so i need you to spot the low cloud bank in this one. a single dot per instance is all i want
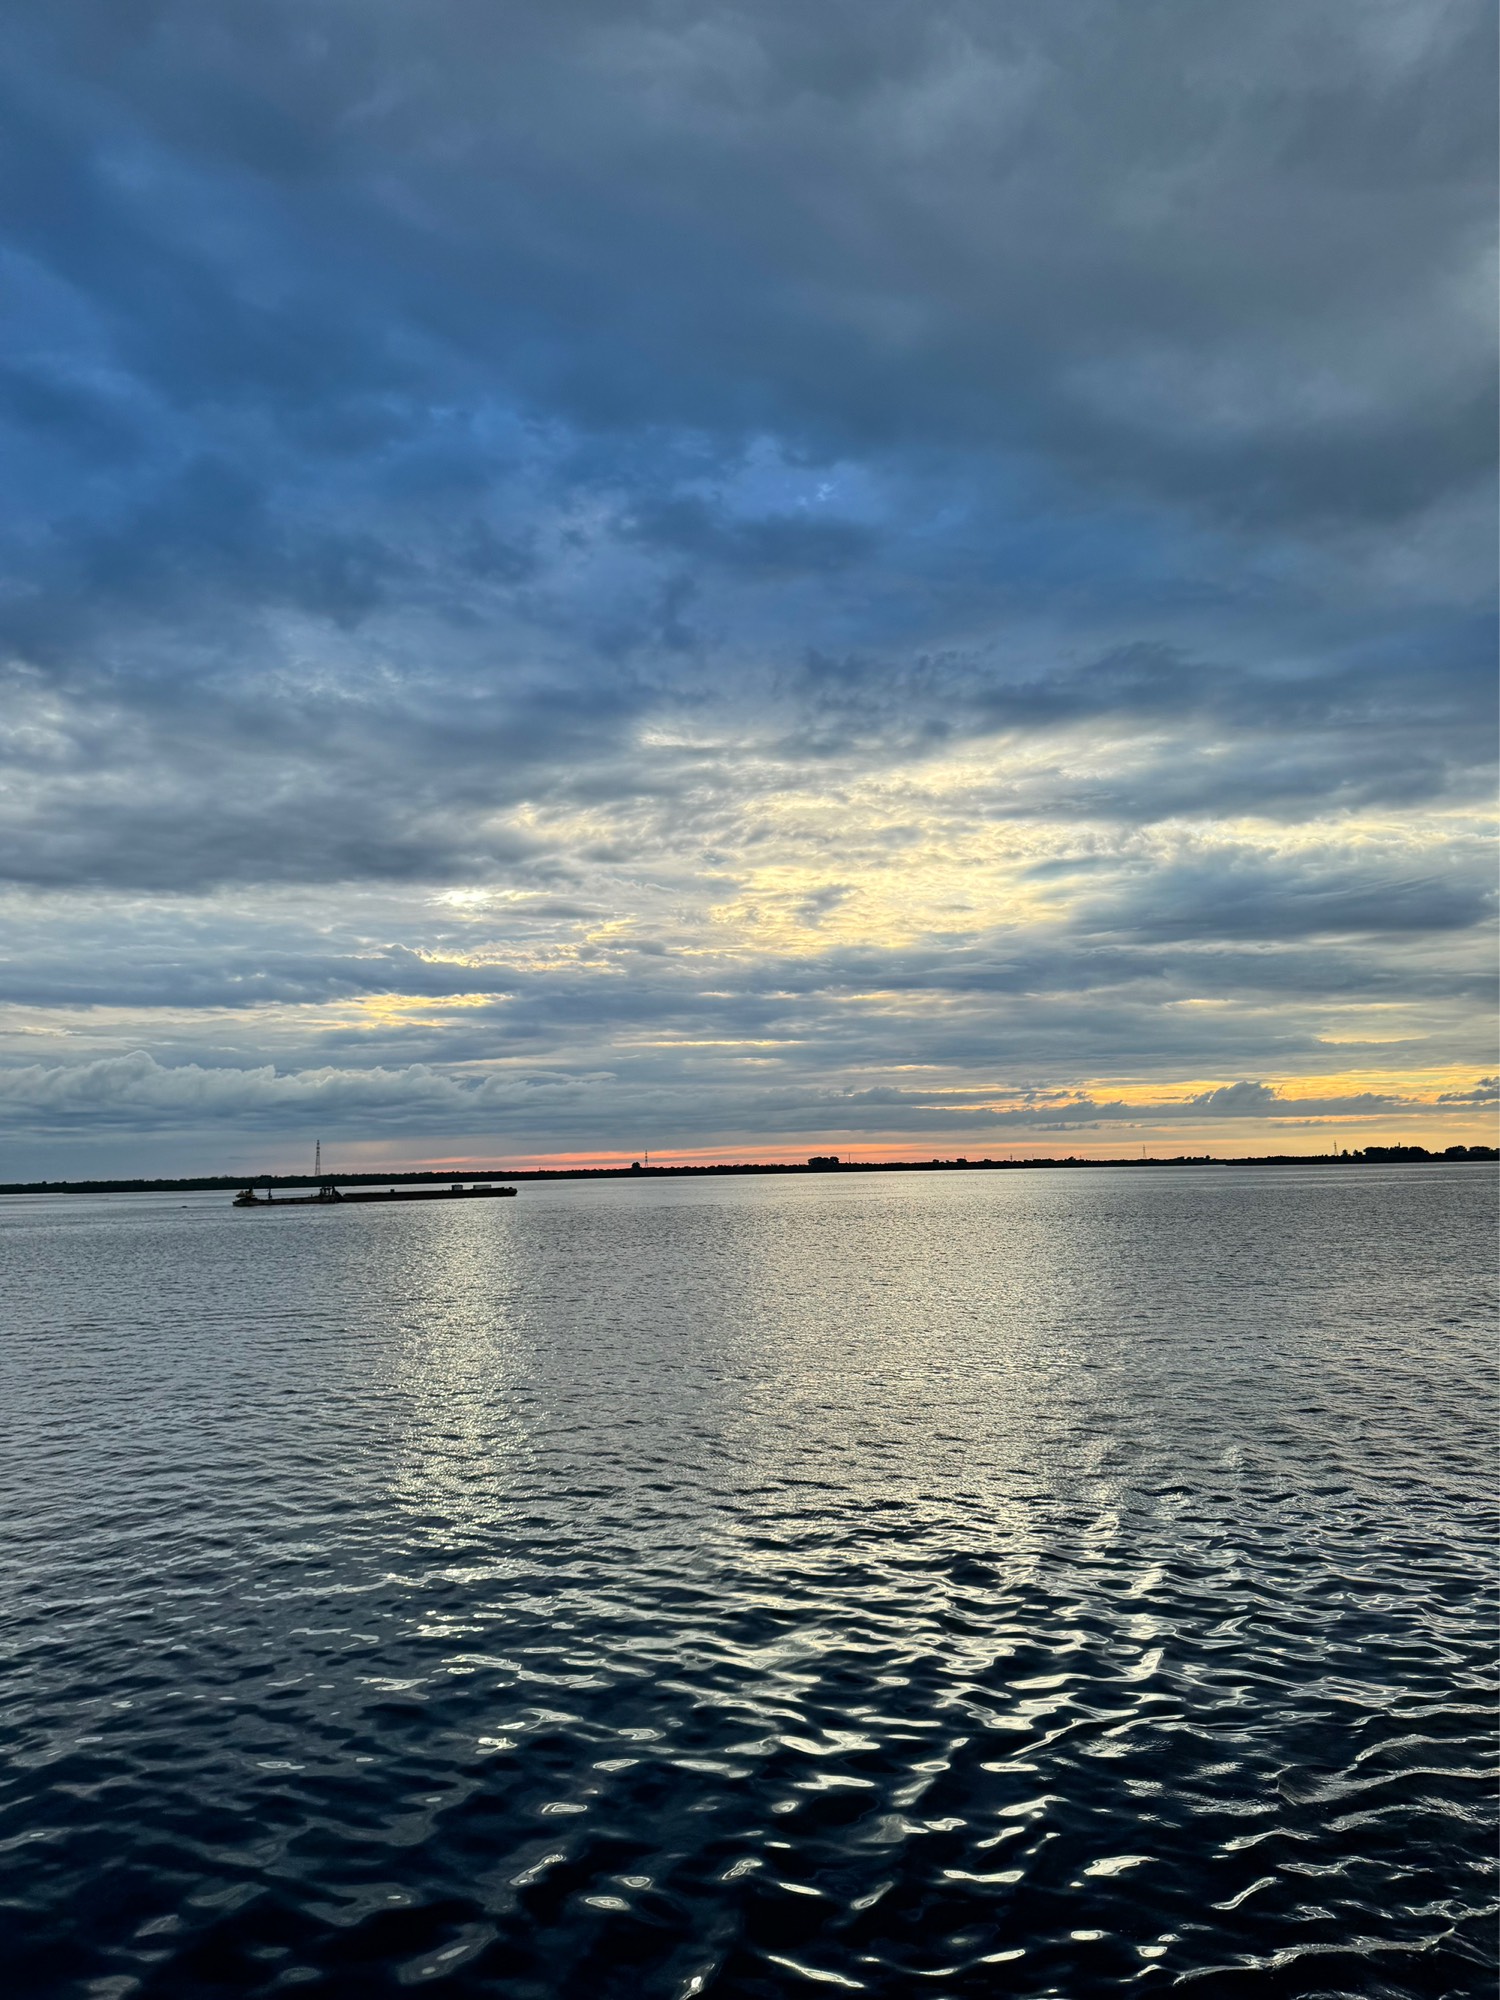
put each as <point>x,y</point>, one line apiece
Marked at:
<point>135,1090</point>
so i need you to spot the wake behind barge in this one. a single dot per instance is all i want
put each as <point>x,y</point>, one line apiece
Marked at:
<point>328,1195</point>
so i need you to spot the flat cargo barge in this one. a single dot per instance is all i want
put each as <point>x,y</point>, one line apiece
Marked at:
<point>330,1196</point>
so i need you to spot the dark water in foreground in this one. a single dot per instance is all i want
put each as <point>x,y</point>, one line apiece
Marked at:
<point>934,1585</point>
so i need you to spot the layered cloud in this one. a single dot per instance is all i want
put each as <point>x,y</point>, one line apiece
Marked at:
<point>136,1093</point>
<point>829,542</point>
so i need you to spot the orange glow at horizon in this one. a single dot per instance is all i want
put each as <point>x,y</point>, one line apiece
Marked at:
<point>1309,1137</point>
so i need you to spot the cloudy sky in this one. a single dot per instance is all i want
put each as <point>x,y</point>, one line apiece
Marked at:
<point>744,579</point>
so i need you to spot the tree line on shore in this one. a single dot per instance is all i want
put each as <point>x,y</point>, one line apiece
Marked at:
<point>822,1163</point>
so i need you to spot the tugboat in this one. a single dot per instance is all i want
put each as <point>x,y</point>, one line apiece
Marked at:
<point>248,1198</point>
<point>329,1193</point>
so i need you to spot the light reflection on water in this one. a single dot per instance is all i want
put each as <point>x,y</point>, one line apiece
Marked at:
<point>1039,1584</point>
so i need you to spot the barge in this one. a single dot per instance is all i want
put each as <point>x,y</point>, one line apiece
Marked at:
<point>328,1195</point>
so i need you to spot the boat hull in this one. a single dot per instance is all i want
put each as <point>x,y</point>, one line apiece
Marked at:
<point>333,1199</point>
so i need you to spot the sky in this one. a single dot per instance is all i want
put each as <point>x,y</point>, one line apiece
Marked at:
<point>744,580</point>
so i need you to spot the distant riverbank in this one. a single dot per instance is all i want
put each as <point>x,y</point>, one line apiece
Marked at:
<point>824,1164</point>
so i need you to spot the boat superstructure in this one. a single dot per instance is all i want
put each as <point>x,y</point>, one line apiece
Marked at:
<point>330,1194</point>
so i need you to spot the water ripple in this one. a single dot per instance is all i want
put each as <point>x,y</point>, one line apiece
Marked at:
<point>1035,1585</point>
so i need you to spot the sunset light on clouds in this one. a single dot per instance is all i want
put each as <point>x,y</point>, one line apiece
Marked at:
<point>731,581</point>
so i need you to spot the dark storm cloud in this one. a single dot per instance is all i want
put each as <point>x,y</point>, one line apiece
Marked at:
<point>1211,257</point>
<point>770,214</point>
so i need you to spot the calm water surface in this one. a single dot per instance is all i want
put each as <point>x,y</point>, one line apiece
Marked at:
<point>953,1585</point>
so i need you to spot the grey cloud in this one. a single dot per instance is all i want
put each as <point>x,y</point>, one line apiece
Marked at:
<point>1147,250</point>
<point>897,228</point>
<point>1238,1099</point>
<point>773,545</point>
<point>296,775</point>
<point>1248,896</point>
<point>68,414</point>
<point>1485,1091</point>
<point>664,1020</point>
<point>429,431</point>
<point>487,430</point>
<point>134,1089</point>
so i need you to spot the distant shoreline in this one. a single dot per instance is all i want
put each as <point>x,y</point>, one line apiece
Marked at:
<point>1383,1156</point>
